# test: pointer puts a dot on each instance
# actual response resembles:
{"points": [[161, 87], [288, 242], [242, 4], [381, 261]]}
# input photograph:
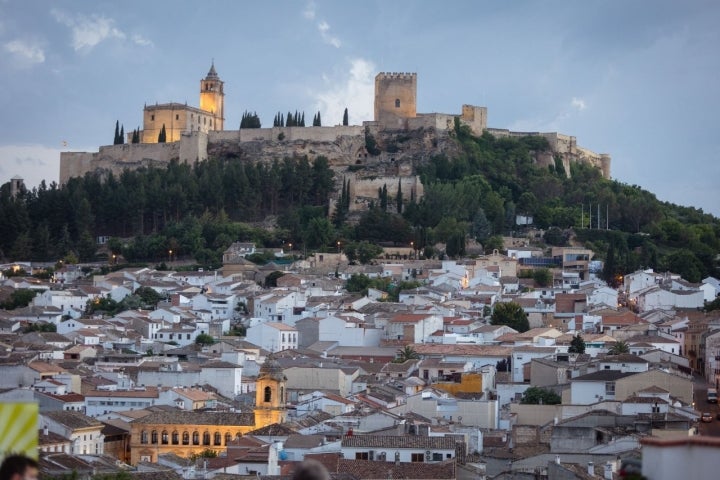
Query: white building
{"points": [[408, 448], [83, 432], [273, 336]]}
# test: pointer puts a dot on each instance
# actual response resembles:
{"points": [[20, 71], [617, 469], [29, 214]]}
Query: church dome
{"points": [[272, 369]]}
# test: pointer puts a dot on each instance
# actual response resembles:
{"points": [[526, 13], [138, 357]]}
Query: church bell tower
{"points": [[212, 97], [270, 394]]}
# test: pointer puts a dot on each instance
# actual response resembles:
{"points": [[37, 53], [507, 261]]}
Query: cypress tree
{"points": [[302, 120], [345, 117], [399, 198], [162, 136], [282, 120], [347, 197], [289, 122], [384, 198], [121, 139], [117, 132], [319, 122]]}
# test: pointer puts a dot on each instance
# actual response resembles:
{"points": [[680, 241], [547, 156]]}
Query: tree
{"points": [[121, 139], [619, 347], [542, 276], [345, 118], [399, 198], [512, 315], [204, 339], [357, 283], [162, 136], [577, 344], [540, 396], [18, 298], [272, 278], [316, 121], [406, 353], [117, 132]]}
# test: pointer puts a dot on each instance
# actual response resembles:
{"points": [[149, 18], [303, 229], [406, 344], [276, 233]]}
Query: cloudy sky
{"points": [[637, 79]]}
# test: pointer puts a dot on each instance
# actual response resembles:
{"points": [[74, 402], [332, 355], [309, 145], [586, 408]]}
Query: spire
{"points": [[212, 74]]}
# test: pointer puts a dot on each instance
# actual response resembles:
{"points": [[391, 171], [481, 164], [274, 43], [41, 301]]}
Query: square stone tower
{"points": [[395, 98]]}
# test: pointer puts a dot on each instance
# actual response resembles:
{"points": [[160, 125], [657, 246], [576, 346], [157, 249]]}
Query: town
{"points": [[517, 363]]}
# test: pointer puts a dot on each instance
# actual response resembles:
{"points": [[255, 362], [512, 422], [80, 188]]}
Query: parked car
{"points": [[706, 417]]}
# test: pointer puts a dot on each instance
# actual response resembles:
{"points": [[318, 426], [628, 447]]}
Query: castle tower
{"points": [[212, 97], [270, 394], [395, 98], [17, 185]]}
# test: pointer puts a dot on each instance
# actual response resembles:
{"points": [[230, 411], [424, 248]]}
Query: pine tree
{"points": [[121, 139], [117, 132], [345, 117]]}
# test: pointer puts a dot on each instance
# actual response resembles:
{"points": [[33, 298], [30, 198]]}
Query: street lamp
{"points": [[170, 254], [412, 247], [338, 246]]}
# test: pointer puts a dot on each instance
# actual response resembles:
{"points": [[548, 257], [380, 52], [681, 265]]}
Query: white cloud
{"points": [[324, 29], [353, 89], [89, 31], [309, 12], [578, 103], [32, 162], [25, 51]]}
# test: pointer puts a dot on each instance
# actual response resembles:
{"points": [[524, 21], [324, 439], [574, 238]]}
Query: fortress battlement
{"points": [[397, 75]]}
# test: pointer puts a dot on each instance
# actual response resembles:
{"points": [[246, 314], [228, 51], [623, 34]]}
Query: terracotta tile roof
{"points": [[180, 417], [274, 429], [469, 350], [73, 420], [416, 470], [409, 441]]}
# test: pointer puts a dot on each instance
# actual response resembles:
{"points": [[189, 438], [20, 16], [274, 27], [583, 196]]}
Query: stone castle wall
{"points": [[363, 190]]}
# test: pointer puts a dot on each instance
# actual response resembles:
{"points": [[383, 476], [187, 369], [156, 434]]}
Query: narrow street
{"points": [[701, 405]]}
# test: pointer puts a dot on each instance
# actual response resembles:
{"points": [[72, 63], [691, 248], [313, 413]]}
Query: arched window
{"points": [[206, 438], [154, 437], [228, 438], [268, 394], [164, 437], [397, 103], [217, 439], [143, 437], [196, 438], [186, 438], [175, 438]]}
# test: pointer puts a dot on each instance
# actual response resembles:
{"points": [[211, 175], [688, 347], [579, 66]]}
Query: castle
{"points": [[406, 138]]}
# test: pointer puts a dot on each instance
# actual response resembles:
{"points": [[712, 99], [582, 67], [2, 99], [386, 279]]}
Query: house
{"points": [[380, 448], [471, 409], [273, 336], [84, 432], [595, 387], [100, 402], [682, 457], [413, 327]]}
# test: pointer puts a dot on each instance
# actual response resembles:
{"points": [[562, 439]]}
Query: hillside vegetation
{"points": [[198, 210]]}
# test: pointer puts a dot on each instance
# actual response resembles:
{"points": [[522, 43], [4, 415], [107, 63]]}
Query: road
{"points": [[701, 405]]}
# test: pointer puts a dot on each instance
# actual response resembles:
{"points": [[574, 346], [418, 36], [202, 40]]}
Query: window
{"points": [[206, 438], [362, 456], [267, 394], [417, 457], [282, 394], [196, 438], [143, 437], [164, 437], [175, 438], [154, 437], [397, 103], [610, 388], [152, 118], [228, 438], [218, 438], [177, 117], [437, 457], [186, 438]]}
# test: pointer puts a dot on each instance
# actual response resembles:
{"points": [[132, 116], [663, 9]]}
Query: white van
{"points": [[712, 395]]}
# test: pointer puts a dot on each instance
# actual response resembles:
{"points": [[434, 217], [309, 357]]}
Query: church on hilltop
{"points": [[180, 118]]}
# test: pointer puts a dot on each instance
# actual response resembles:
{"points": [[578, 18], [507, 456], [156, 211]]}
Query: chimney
{"points": [[45, 430], [591, 469], [608, 471]]}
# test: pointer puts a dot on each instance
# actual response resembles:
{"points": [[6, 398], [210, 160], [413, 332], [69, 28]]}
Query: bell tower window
{"points": [[267, 394], [397, 103]]}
